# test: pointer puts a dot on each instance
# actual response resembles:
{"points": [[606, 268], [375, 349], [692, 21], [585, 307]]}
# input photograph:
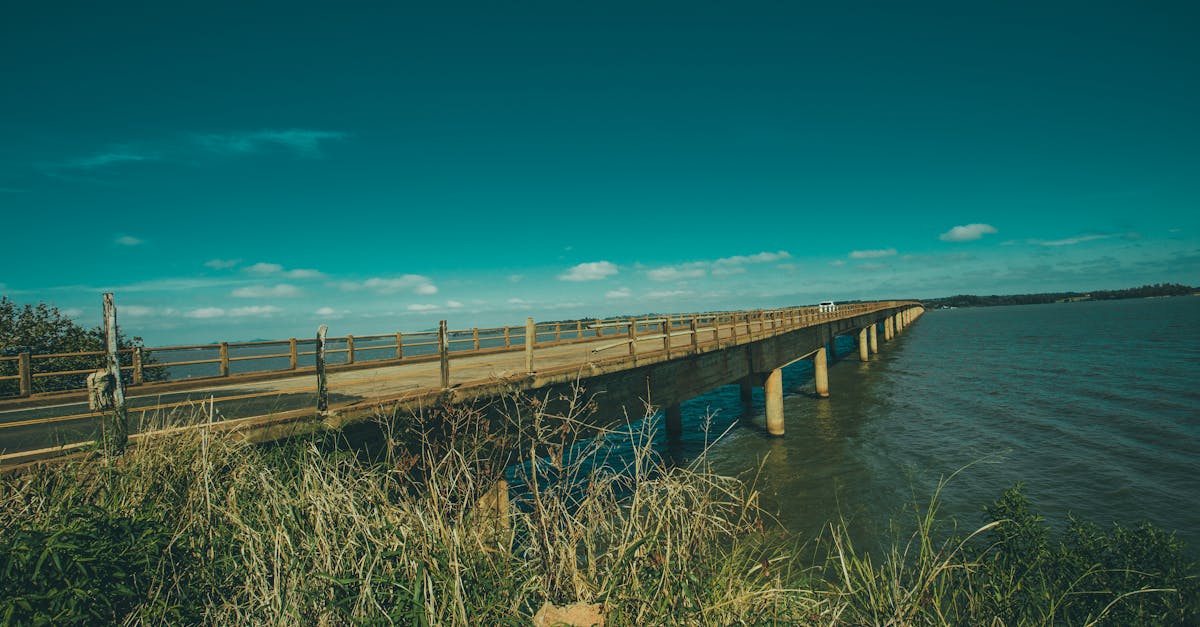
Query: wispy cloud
{"points": [[302, 142], [283, 290], [331, 313], [621, 292], [421, 307], [416, 283], [660, 294], [221, 264], [128, 240], [255, 310], [967, 232], [204, 313], [724, 266], [872, 254], [108, 158], [1071, 241], [264, 268], [591, 271]]}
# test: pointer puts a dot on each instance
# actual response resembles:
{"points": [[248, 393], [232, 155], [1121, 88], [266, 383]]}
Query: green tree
{"points": [[43, 330]]}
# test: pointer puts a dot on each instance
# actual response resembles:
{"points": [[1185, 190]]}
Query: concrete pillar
{"points": [[821, 373], [889, 329], [773, 390], [863, 349], [872, 339], [674, 415]]}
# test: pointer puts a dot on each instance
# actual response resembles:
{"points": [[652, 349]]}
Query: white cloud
{"points": [[255, 310], [837, 263], [112, 157], [128, 240], [1071, 241], [453, 304], [302, 142], [516, 278], [264, 268], [591, 271], [967, 232], [205, 312], [283, 290], [693, 270], [418, 307], [622, 292], [667, 294], [516, 301], [762, 257], [331, 313], [221, 264], [416, 283], [135, 311], [303, 273], [872, 254]]}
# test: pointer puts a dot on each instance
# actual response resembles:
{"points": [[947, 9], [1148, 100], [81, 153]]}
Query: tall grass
{"points": [[189, 528]]}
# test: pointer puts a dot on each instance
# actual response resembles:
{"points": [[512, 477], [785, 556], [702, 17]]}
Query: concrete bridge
{"points": [[622, 363]]}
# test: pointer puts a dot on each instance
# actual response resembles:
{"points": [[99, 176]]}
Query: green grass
{"points": [[198, 530]]}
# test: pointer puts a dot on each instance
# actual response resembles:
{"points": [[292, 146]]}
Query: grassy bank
{"points": [[192, 529]]}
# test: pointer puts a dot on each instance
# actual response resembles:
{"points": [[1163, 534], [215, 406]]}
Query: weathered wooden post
{"points": [[25, 372], [444, 353], [633, 339], [507, 338], [665, 327], [349, 349], [139, 374], [322, 382], [116, 429], [695, 338], [399, 345], [716, 329], [475, 336], [557, 331], [293, 354], [530, 340], [599, 328], [578, 330]]}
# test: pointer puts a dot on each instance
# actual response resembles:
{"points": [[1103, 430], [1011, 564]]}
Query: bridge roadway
{"points": [[270, 408]]}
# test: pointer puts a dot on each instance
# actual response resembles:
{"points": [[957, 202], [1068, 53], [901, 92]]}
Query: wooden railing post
{"points": [[349, 349], [695, 338], [530, 340], [557, 331], [444, 353], [399, 345], [633, 339], [293, 354], [322, 382], [224, 355], [599, 328], [475, 334], [507, 339], [716, 329], [665, 327], [578, 330], [139, 375], [26, 373], [116, 428]]}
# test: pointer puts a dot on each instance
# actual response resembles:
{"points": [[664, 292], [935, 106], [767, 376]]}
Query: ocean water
{"points": [[1093, 406]]}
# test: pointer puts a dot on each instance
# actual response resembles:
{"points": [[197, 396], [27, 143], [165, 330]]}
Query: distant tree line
{"points": [[1145, 291], [42, 330]]}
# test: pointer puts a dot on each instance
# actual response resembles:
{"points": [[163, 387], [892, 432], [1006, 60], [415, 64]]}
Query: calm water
{"points": [[1095, 406]]}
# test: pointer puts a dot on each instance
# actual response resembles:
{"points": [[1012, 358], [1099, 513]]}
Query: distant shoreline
{"points": [[1157, 290]]}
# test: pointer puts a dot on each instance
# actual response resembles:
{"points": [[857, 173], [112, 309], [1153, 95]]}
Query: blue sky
{"points": [[245, 170]]}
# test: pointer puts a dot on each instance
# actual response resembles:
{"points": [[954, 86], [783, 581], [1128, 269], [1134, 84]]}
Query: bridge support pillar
{"points": [[821, 373], [888, 330], [872, 338], [773, 390], [864, 353], [674, 414]]}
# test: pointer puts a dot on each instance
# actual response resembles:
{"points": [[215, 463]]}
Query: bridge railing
{"points": [[45, 374]]}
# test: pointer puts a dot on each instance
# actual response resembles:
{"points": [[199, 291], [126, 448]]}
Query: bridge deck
{"points": [[50, 425]]}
